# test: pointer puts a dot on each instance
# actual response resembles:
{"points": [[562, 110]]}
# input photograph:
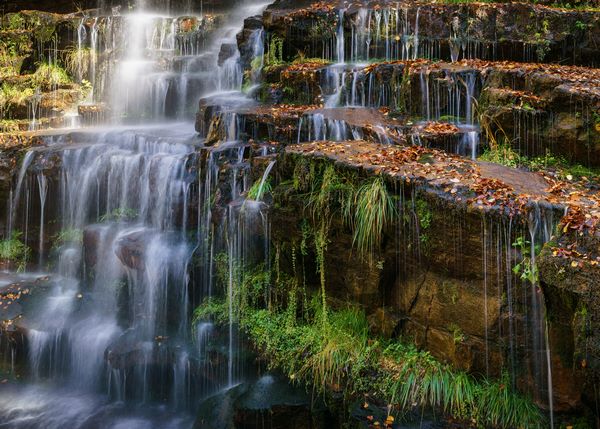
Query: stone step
{"points": [[390, 30], [534, 107]]}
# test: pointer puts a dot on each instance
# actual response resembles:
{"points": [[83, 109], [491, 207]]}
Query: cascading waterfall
{"points": [[133, 226], [123, 327]]}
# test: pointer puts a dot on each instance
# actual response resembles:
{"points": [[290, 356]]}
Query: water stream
{"points": [[111, 344], [126, 237]]}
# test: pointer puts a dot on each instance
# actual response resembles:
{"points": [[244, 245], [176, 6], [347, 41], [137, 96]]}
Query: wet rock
{"points": [[571, 284], [20, 299], [93, 114], [245, 43], [228, 50], [132, 350], [130, 249], [449, 284], [495, 32], [269, 401]]}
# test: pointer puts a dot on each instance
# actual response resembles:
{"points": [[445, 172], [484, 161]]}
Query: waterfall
{"points": [[264, 179], [538, 228], [43, 191], [341, 52]]}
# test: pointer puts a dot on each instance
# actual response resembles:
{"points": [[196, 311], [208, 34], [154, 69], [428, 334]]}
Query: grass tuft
{"points": [[13, 250], [374, 209]]}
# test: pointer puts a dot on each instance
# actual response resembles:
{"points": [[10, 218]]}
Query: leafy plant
{"points": [[526, 268]]}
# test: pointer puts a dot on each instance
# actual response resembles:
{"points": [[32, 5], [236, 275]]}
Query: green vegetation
{"points": [[301, 59], [49, 75], [13, 96], [504, 154], [9, 126], [13, 250], [332, 350], [541, 41], [366, 205], [77, 61], [257, 192], [274, 55], [70, 235], [374, 209], [526, 268], [120, 215]]}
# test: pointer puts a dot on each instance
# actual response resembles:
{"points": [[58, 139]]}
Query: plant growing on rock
{"points": [[50, 75], [70, 235], [526, 268], [259, 190], [374, 210], [341, 356], [14, 251], [13, 96], [274, 55]]}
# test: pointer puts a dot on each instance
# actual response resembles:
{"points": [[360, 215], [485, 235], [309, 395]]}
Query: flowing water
{"points": [[125, 236], [111, 344]]}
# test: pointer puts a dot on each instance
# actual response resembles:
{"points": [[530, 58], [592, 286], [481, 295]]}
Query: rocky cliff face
{"points": [[449, 273], [492, 267]]}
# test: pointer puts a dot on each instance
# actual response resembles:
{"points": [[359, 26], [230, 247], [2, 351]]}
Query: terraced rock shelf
{"points": [[301, 214]]}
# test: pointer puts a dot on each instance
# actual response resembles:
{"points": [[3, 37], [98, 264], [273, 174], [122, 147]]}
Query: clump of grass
{"points": [[498, 405], [16, 252], [374, 209], [13, 96], [502, 154], [77, 61], [260, 189], [69, 235], [9, 126], [49, 75]]}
